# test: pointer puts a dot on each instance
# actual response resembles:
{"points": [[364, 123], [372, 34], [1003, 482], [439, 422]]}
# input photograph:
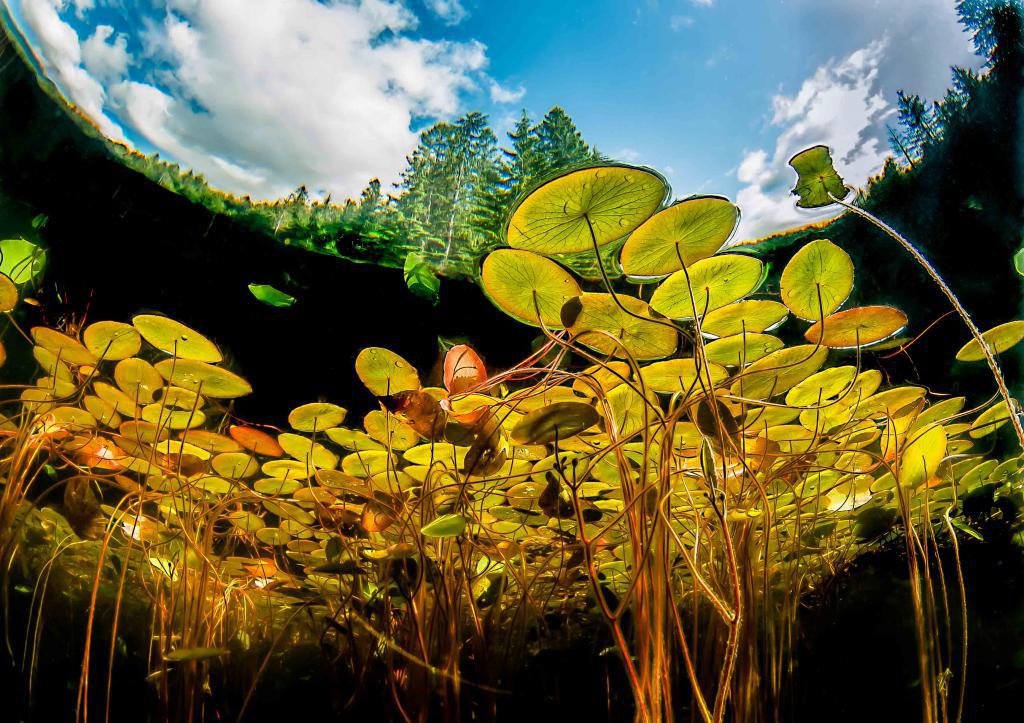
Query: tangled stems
{"points": [[1011, 403]]}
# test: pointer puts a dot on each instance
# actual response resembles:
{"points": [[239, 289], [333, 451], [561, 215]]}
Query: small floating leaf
{"points": [[271, 296], [592, 318], [176, 339], [22, 261], [706, 285]]}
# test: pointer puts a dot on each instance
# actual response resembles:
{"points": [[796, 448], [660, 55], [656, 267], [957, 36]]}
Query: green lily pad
{"points": [[194, 654], [21, 260], [557, 421], [817, 180], [607, 201], [445, 526]]}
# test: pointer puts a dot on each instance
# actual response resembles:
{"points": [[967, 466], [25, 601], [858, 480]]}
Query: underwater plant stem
{"points": [[964, 316]]}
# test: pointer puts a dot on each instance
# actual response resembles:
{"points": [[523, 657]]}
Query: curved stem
{"points": [[1011, 403]]}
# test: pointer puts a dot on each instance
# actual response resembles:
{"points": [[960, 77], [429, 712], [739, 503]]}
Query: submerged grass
{"points": [[661, 462]]}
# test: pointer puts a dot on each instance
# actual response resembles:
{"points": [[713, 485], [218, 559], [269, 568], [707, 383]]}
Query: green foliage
{"points": [[420, 277], [271, 296]]}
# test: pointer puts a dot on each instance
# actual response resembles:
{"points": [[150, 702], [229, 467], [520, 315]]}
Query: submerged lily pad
{"points": [[22, 261], [558, 421], [585, 209], [598, 322]]}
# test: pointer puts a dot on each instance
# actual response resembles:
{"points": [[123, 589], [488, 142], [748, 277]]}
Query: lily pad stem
{"points": [[1011, 403]]}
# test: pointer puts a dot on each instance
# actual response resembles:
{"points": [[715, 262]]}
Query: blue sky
{"points": [[262, 95]]}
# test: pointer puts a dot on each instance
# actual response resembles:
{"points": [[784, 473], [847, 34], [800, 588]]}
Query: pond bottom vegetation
{"points": [[695, 447]]}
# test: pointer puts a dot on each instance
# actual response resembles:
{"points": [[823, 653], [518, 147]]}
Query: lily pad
{"points": [[817, 179], [688, 231], [445, 526], [741, 349], [862, 326], [316, 417], [558, 421], [707, 285], [597, 321], [528, 287], [194, 654], [817, 280], [749, 315], [112, 340], [586, 208], [176, 339], [385, 373], [8, 293], [999, 339], [22, 261], [203, 378]]}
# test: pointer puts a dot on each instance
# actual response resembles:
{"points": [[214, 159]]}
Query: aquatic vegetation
{"points": [[696, 445]]}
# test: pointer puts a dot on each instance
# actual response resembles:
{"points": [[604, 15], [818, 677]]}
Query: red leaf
{"points": [[463, 369]]}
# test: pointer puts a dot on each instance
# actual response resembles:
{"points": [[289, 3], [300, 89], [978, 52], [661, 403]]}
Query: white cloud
{"points": [[702, 3], [501, 94], [451, 12], [263, 95], [60, 54], [680, 22], [627, 155], [840, 106], [103, 59]]}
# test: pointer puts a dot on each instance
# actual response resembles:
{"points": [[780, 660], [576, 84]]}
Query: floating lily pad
{"points": [[385, 373], [741, 349], [680, 375], [862, 326], [688, 231], [708, 284], [203, 378], [112, 340], [817, 280], [528, 287], [749, 315], [182, 655], [597, 321], [316, 417], [68, 350], [779, 371], [582, 209], [999, 339], [176, 339], [817, 179], [256, 440]]}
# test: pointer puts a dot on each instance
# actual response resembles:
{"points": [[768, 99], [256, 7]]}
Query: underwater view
{"points": [[447, 360]]}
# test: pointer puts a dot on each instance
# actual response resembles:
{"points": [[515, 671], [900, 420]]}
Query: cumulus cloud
{"points": [[104, 59], [264, 95], [60, 54], [501, 94], [841, 106], [702, 3], [451, 12]]}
